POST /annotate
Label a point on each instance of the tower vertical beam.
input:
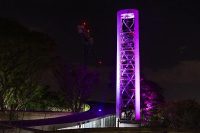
(118, 96)
(137, 67)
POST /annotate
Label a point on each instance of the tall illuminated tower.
(128, 71)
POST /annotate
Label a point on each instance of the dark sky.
(169, 34)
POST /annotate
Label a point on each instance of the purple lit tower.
(128, 69)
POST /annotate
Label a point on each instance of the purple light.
(128, 69)
(118, 67)
(99, 110)
(137, 67)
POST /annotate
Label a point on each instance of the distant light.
(100, 62)
(99, 110)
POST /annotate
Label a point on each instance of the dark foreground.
(124, 130)
(103, 130)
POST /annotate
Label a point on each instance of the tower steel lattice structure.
(128, 72)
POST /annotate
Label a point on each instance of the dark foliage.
(182, 114)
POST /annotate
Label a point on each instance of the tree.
(182, 114)
(151, 101)
(76, 83)
(24, 55)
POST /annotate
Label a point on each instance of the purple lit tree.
(151, 100)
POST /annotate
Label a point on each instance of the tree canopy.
(76, 83)
(183, 114)
(24, 55)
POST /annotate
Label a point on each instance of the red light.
(84, 23)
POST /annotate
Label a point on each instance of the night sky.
(169, 35)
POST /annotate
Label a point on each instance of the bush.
(182, 115)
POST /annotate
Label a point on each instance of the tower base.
(126, 123)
